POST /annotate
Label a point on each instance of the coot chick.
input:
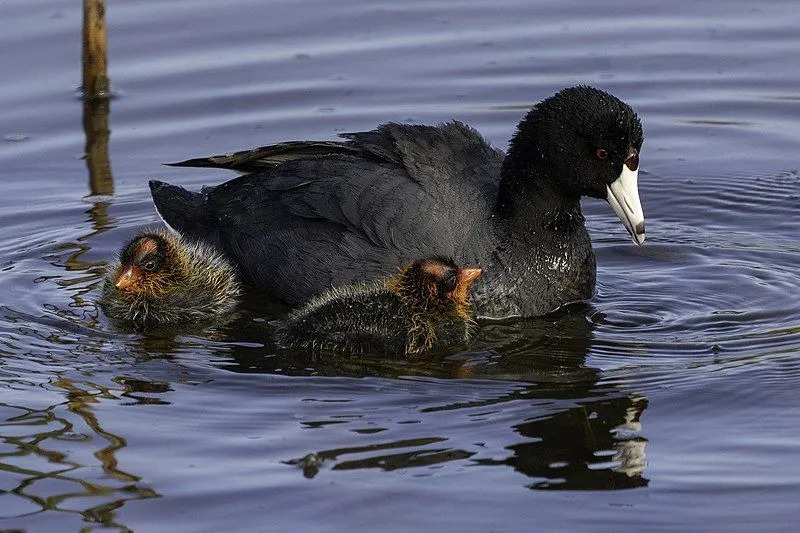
(162, 279)
(424, 306)
(310, 215)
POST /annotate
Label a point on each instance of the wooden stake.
(95, 76)
(96, 97)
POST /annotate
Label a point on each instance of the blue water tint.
(668, 401)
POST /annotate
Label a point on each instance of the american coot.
(163, 279)
(309, 215)
(425, 305)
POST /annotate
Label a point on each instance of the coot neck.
(527, 202)
(543, 255)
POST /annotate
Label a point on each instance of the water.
(669, 401)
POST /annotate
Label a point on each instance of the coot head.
(581, 142)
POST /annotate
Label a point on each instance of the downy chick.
(163, 279)
(422, 307)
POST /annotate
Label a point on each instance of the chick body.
(395, 315)
(189, 282)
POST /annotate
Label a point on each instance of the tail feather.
(184, 212)
(267, 156)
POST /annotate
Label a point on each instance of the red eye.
(601, 153)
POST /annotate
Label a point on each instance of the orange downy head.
(143, 263)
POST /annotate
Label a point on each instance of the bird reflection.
(576, 433)
(596, 446)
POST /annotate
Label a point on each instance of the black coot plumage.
(424, 306)
(311, 215)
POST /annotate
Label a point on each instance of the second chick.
(424, 306)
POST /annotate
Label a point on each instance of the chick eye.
(448, 284)
(601, 153)
(150, 265)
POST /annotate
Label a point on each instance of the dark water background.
(669, 401)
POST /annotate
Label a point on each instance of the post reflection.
(95, 126)
(52, 452)
(96, 111)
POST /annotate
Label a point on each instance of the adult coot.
(423, 306)
(163, 280)
(313, 214)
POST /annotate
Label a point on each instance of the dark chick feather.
(312, 215)
(162, 279)
(408, 313)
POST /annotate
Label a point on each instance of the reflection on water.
(577, 436)
(49, 454)
(95, 126)
(380, 456)
(596, 446)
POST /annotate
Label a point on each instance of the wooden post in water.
(96, 97)
(95, 76)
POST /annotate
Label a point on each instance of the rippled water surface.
(668, 401)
